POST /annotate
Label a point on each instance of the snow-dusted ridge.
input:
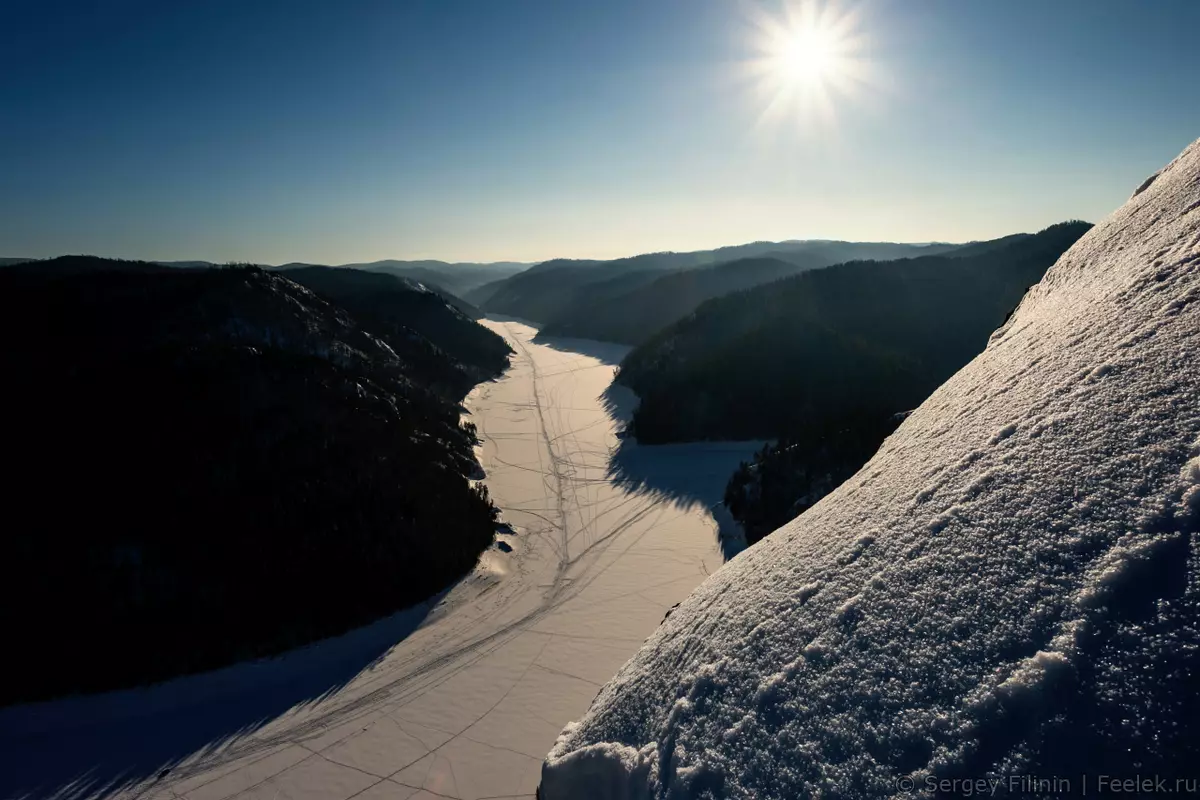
(1008, 588)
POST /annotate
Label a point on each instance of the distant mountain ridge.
(627, 299)
(456, 278)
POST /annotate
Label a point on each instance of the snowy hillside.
(1009, 588)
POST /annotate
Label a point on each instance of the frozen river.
(459, 698)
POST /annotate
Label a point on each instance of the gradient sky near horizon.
(332, 132)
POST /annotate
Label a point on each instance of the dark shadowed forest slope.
(354, 282)
(214, 464)
(788, 476)
(452, 280)
(862, 337)
(823, 362)
(635, 313)
(390, 306)
(626, 299)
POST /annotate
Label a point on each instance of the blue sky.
(529, 129)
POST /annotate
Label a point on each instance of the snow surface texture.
(457, 698)
(1009, 587)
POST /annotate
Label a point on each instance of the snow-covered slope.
(1008, 588)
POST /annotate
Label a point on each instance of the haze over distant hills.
(624, 299)
(627, 299)
(456, 278)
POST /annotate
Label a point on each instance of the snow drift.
(1007, 589)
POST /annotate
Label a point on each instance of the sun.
(807, 58)
(808, 55)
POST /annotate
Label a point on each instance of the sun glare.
(807, 57)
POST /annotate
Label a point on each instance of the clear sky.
(528, 129)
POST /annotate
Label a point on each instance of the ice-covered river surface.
(461, 697)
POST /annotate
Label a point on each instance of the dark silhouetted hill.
(456, 279)
(385, 280)
(208, 465)
(393, 306)
(875, 335)
(824, 361)
(187, 264)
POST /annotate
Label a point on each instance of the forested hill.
(389, 305)
(384, 279)
(633, 315)
(853, 340)
(207, 465)
(810, 459)
(626, 299)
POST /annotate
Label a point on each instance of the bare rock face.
(1008, 591)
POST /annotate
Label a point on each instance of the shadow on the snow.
(687, 475)
(618, 402)
(607, 352)
(95, 745)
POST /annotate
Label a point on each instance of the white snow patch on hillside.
(1009, 587)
